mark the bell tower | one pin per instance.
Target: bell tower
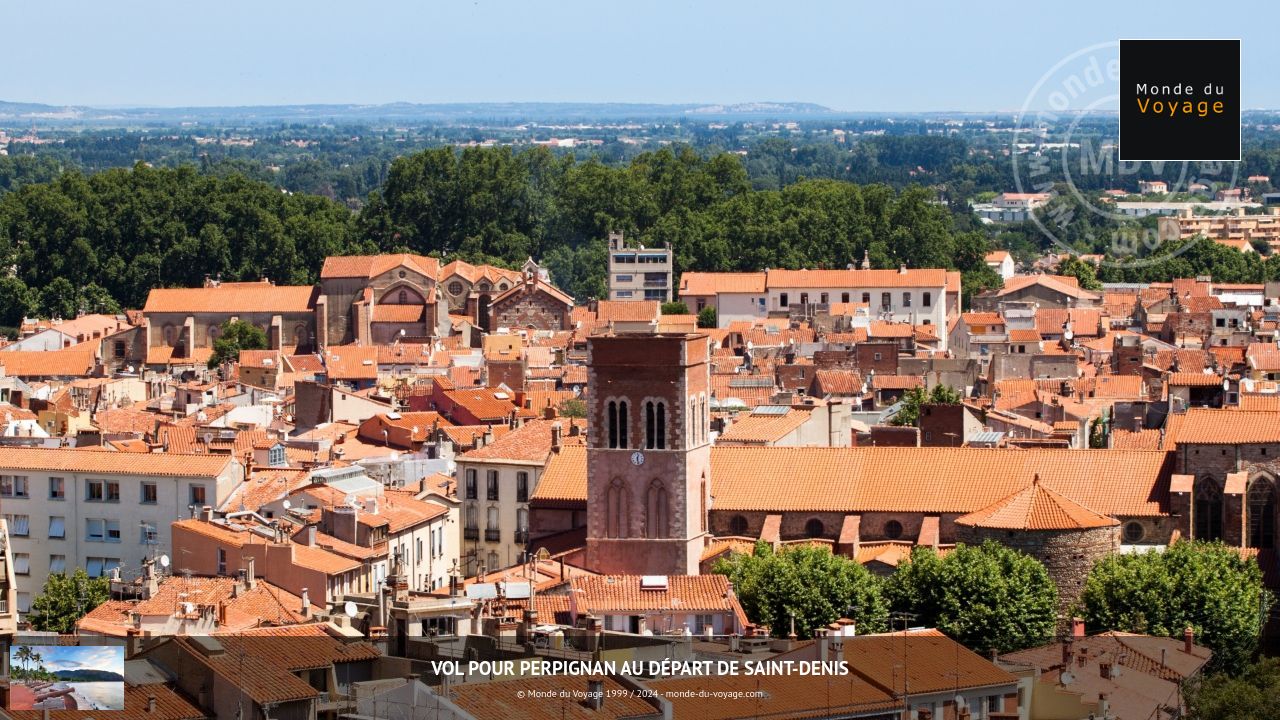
(648, 452)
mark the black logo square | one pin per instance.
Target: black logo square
(1180, 100)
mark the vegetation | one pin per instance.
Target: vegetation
(65, 599)
(236, 335)
(707, 318)
(913, 399)
(573, 408)
(1208, 587)
(987, 597)
(29, 665)
(806, 585)
(675, 308)
(1252, 695)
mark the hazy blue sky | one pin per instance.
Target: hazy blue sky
(846, 55)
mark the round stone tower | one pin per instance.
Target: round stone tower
(1065, 536)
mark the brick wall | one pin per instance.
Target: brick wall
(1068, 555)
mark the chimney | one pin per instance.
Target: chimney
(1067, 652)
(1082, 657)
(151, 703)
(311, 536)
(222, 616)
(820, 634)
(250, 581)
(1077, 627)
(555, 437)
(1104, 707)
(206, 513)
(595, 694)
(1188, 639)
(373, 506)
(549, 412)
(902, 269)
(306, 604)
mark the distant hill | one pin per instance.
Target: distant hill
(88, 676)
(17, 113)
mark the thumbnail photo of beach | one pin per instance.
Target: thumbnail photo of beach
(59, 677)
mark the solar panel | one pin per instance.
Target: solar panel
(516, 590)
(771, 410)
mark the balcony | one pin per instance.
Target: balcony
(522, 537)
(471, 533)
(492, 535)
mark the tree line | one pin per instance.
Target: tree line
(100, 242)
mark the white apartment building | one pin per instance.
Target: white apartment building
(639, 273)
(69, 509)
(495, 483)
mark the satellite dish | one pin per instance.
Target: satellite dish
(164, 561)
(1068, 334)
(187, 608)
(349, 608)
(286, 504)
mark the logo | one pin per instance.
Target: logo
(1066, 159)
(1180, 100)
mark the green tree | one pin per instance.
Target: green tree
(236, 335)
(573, 408)
(987, 597)
(66, 598)
(59, 299)
(1085, 272)
(913, 399)
(16, 301)
(807, 584)
(707, 317)
(1208, 587)
(1252, 695)
(675, 308)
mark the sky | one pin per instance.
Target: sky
(850, 56)
(70, 657)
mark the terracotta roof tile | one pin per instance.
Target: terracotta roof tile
(75, 361)
(1209, 426)
(755, 429)
(784, 279)
(628, 311)
(531, 442)
(351, 362)
(393, 313)
(1036, 507)
(367, 266)
(606, 594)
(232, 298)
(83, 461)
(886, 479)
(706, 283)
(1140, 440)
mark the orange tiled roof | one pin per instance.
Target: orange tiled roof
(367, 266)
(838, 382)
(75, 361)
(762, 429)
(392, 313)
(351, 362)
(708, 283)
(982, 318)
(887, 479)
(927, 277)
(1135, 440)
(605, 594)
(897, 382)
(482, 403)
(247, 297)
(1194, 379)
(1036, 507)
(1259, 403)
(1209, 426)
(628, 311)
(1065, 285)
(83, 461)
(531, 442)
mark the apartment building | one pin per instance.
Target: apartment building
(639, 273)
(69, 509)
(1235, 229)
(497, 481)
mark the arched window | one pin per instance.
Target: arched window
(737, 525)
(1262, 512)
(1208, 509)
(168, 335)
(624, 439)
(893, 529)
(814, 528)
(213, 333)
(655, 425)
(611, 410)
(300, 334)
(616, 524)
(657, 519)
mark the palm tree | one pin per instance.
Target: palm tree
(23, 656)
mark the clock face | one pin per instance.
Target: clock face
(637, 458)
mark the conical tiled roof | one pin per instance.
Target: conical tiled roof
(1036, 507)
